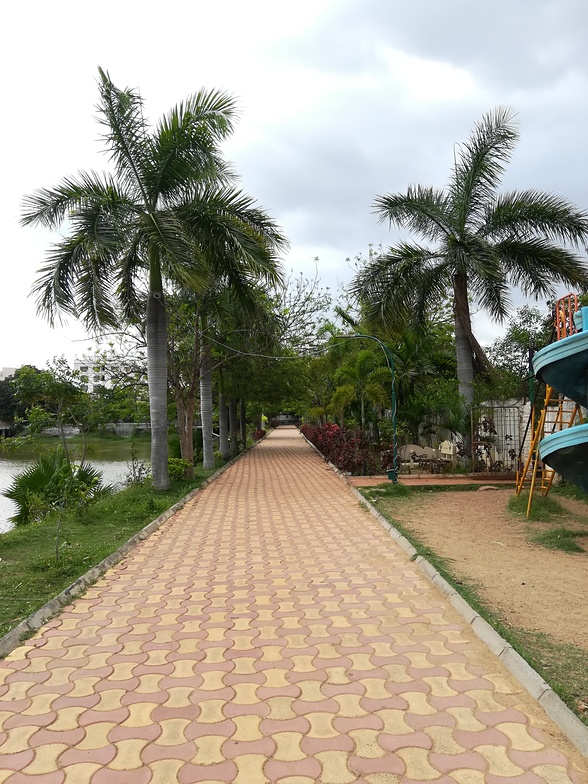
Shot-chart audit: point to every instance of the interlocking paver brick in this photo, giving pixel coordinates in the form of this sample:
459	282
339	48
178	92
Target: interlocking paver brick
270	631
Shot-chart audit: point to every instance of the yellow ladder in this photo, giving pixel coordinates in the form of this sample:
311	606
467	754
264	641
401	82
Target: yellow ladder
555	415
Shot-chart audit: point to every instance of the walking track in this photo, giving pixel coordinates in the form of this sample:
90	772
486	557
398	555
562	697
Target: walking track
271	631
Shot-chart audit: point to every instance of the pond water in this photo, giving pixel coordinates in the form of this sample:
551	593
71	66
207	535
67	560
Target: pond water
111	458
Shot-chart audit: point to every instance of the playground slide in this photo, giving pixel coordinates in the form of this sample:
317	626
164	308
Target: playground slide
564	366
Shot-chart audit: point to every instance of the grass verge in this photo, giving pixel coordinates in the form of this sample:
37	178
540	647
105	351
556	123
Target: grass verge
30	573
563	667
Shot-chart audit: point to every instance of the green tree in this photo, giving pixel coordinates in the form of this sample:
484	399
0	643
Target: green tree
52	398
168	213
480	244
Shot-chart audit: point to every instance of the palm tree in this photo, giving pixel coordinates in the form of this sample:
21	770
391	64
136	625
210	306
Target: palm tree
480	244
169	213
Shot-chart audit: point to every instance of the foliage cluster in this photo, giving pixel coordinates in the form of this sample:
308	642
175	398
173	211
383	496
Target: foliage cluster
52	482
347	449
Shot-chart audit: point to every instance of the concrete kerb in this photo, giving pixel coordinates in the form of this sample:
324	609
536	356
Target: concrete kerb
15	636
523	673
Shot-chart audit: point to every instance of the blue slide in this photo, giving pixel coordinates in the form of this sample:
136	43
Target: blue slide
564	366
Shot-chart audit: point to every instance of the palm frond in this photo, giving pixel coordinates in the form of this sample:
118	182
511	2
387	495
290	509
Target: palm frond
422	210
50	206
236	239
480	164
486	276
537	266
120	112
401	286
186	142
523	214
77	279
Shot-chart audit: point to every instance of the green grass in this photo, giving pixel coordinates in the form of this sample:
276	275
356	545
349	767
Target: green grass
570	491
560	539
544	509
403	491
30	575
563	666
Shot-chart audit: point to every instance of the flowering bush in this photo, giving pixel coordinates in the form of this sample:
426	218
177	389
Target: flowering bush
346	449
258	435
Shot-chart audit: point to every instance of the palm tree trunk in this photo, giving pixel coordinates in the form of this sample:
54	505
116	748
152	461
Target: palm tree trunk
206	406
233	445
243	423
156	333
463	348
223	423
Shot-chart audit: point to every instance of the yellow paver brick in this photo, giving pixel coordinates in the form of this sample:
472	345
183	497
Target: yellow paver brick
303	663
214	655
465	719
321	725
485	700
498	762
212	680
45	760
84	687
288	746
247	728
83	771
244	665
375	689
439	686
310	691
334	767
67	719
245	693
366	743
519	736
417	764
140	714
280	708
463	776
165	771
148	684
211	711
553	774
276	678
208	750
418	703
249	769
394	723
17	739
96	736
296	780
172	732
110	700
443	740
349	706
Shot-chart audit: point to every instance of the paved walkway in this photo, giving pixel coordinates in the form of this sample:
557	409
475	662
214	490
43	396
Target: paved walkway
271	631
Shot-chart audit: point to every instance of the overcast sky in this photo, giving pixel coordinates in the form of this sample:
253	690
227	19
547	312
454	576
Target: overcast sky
341	100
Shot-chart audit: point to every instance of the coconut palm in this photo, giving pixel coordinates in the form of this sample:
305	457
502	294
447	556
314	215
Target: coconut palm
481	243
168	213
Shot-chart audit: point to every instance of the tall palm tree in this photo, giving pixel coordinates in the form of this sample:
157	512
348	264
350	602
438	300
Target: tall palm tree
480	244
168	213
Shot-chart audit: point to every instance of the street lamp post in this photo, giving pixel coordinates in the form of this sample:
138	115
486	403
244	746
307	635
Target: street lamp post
392	472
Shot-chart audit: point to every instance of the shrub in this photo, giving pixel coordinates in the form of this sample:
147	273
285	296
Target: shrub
345	448
178	468
52	482
258	435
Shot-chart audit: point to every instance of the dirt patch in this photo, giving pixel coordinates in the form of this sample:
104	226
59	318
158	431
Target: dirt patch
526	585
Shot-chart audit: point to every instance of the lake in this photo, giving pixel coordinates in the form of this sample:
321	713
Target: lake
112	458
